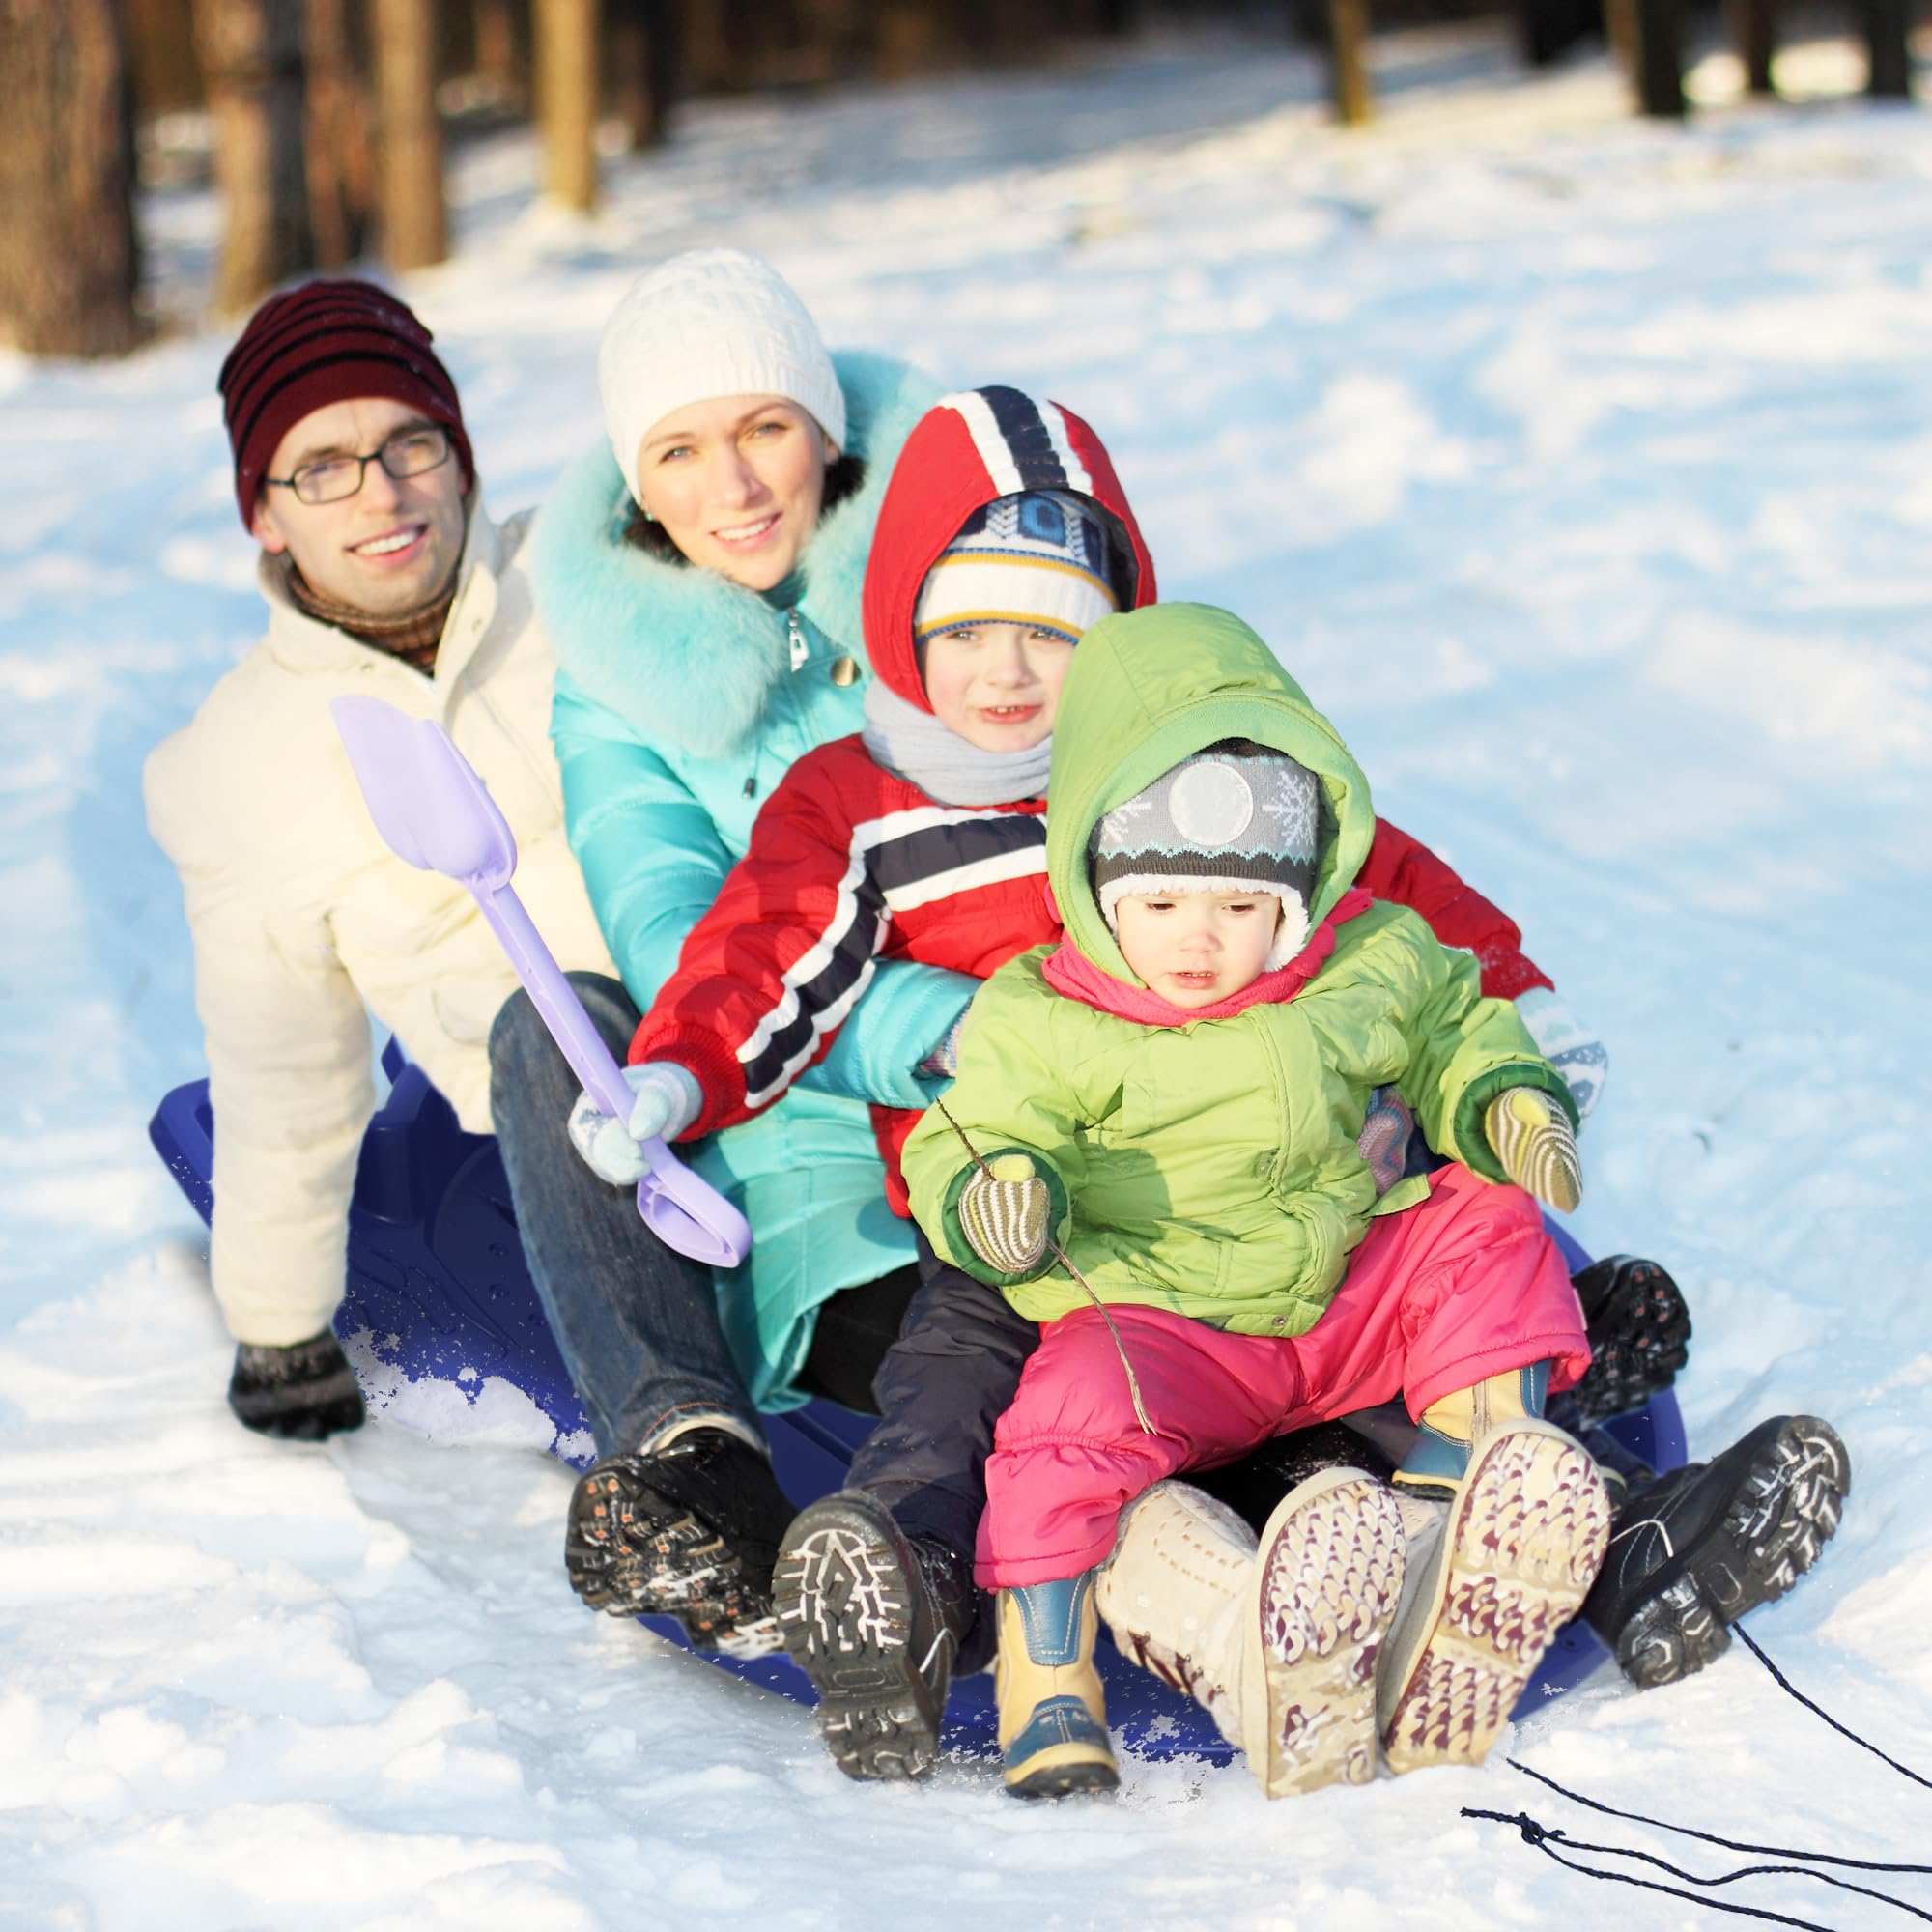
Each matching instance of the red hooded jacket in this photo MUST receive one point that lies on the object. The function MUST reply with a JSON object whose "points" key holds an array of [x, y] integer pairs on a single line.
{"points": [[849, 865]]}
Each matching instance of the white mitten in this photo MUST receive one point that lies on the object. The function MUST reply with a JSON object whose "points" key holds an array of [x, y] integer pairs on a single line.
{"points": [[1567, 1045], [668, 1099], [1532, 1139], [1002, 1213]]}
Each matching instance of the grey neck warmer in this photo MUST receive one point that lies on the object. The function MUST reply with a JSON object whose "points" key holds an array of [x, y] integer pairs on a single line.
{"points": [[915, 746]]}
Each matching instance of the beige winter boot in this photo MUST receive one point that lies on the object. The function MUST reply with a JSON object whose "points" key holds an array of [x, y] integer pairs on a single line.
{"points": [[1455, 1426], [1052, 1711], [1277, 1640], [1523, 1538]]}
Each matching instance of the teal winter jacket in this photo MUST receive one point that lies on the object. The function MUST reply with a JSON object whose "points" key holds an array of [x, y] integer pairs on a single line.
{"points": [[681, 700]]}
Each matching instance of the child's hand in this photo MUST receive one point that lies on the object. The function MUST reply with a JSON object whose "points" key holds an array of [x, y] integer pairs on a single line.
{"points": [[668, 1099], [1385, 1136], [1532, 1139], [1002, 1213], [1568, 1045]]}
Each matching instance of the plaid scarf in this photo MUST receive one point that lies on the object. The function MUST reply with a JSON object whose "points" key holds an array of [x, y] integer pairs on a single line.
{"points": [[413, 635]]}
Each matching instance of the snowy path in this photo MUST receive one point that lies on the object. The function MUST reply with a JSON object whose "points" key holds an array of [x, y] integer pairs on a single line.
{"points": [[1582, 471]]}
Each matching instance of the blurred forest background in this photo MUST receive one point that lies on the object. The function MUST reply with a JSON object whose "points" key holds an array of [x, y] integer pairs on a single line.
{"points": [[324, 120]]}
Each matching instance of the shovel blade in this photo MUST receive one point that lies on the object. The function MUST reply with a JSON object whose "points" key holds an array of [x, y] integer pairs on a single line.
{"points": [[430, 808]]}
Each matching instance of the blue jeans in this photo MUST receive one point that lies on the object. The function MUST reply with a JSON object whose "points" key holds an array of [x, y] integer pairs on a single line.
{"points": [[636, 1321]]}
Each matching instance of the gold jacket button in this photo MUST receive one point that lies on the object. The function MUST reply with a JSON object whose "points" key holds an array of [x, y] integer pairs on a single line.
{"points": [[844, 671]]}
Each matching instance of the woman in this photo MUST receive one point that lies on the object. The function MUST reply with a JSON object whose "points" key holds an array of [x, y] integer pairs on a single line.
{"points": [[700, 581]]}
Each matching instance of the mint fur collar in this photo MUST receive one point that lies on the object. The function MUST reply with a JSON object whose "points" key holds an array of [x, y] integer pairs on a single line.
{"points": [[682, 652]]}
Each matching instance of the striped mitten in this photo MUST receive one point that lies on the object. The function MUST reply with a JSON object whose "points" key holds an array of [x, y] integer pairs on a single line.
{"points": [[1532, 1139], [1002, 1213]]}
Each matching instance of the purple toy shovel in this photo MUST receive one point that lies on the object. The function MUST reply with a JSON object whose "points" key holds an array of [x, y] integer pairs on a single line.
{"points": [[433, 810]]}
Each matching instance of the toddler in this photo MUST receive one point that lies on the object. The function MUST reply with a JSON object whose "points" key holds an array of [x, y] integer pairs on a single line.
{"points": [[1151, 1148]]}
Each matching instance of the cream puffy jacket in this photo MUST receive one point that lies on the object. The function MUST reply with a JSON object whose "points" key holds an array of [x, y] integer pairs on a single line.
{"points": [[302, 917]]}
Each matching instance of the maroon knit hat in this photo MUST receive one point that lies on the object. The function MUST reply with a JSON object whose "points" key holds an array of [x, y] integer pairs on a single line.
{"points": [[328, 342]]}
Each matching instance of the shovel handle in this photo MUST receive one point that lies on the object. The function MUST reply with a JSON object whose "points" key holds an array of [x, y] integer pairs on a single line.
{"points": [[683, 1212], [556, 1002]]}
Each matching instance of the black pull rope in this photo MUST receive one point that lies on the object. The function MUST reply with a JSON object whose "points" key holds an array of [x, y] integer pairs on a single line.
{"points": [[1711, 1837], [1546, 1840], [1785, 1684]]}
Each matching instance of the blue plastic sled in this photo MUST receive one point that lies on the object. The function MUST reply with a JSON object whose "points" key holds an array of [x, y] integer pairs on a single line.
{"points": [[436, 1279]]}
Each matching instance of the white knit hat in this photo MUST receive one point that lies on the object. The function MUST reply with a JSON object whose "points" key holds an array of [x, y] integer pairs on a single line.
{"points": [[712, 322]]}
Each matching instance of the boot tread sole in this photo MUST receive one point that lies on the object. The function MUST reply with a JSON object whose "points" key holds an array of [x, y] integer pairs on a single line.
{"points": [[1525, 1538], [1786, 1507], [844, 1604], [1331, 1576], [1639, 1328], [631, 1551]]}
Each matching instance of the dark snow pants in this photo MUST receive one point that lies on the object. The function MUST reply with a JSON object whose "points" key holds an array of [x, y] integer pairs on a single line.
{"points": [[940, 1390]]}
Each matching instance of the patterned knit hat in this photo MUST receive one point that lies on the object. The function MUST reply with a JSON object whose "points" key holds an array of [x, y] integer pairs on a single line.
{"points": [[711, 321], [1235, 818], [1039, 559], [329, 341]]}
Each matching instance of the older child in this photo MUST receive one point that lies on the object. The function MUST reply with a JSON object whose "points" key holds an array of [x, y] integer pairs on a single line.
{"points": [[1152, 1150]]}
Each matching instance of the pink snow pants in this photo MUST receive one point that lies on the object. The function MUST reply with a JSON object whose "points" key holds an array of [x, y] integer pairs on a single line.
{"points": [[1439, 1296]]}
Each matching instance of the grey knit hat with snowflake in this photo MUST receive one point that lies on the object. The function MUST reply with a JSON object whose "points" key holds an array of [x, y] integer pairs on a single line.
{"points": [[1235, 818]]}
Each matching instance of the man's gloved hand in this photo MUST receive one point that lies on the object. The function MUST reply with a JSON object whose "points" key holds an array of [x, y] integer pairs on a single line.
{"points": [[1532, 1139], [1002, 1213], [303, 1392], [668, 1099]]}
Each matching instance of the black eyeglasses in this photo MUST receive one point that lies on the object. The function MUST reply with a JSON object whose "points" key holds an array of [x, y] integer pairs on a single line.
{"points": [[410, 452]]}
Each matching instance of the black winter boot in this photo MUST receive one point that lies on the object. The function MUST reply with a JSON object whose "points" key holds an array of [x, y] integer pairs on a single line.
{"points": [[1639, 1331], [303, 1392], [691, 1531], [875, 1619], [1692, 1552], [1257, 1481]]}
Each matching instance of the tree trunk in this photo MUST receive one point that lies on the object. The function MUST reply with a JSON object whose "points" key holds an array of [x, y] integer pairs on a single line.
{"points": [[69, 261], [1886, 24], [502, 55], [341, 166], [566, 37], [708, 46], [1620, 29], [643, 60], [252, 55], [1756, 32], [1659, 62], [161, 57], [414, 222], [1348, 74]]}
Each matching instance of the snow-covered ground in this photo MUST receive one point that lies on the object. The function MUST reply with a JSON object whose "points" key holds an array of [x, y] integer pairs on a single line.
{"points": [[1581, 469]]}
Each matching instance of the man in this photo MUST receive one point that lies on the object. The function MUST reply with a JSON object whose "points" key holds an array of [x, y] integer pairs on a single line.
{"points": [[383, 576]]}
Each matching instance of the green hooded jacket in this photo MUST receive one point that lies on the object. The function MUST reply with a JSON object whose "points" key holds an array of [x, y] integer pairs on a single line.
{"points": [[1210, 1168]]}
